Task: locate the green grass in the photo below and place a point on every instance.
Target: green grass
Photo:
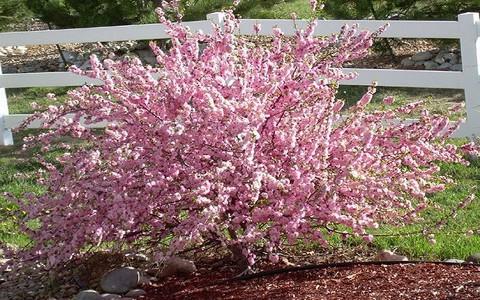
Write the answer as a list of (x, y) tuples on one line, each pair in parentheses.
[(272, 9), (450, 241), (17, 172), (436, 100), (19, 100)]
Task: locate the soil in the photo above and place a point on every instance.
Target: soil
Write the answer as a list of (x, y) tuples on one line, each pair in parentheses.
[(344, 281)]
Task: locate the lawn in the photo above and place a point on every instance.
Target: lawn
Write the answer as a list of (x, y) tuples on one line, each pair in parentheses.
[(437, 100), (17, 171)]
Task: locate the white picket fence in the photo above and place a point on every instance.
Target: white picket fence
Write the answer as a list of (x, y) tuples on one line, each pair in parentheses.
[(466, 29)]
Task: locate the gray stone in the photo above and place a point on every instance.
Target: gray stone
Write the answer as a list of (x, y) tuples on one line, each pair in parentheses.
[(430, 65), (111, 296), (451, 58), (474, 258), (86, 66), (445, 66), (407, 62), (177, 265), (135, 293), (27, 69), (70, 57), (145, 280), (386, 255), (457, 67), (8, 49), (20, 50), (147, 56), (6, 69), (454, 260), (121, 280), (439, 59), (88, 295), (426, 55)]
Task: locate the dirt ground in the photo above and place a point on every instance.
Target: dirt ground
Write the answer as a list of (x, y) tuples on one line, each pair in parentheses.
[(343, 281)]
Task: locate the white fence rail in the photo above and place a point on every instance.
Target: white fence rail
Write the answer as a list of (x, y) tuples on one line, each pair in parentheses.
[(466, 29)]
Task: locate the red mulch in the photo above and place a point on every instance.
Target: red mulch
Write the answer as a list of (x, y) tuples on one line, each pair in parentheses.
[(394, 281)]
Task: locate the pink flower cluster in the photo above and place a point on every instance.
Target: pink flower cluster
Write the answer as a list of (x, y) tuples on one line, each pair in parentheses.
[(246, 146)]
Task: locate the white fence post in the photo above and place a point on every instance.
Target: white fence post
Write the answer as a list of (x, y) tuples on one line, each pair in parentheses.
[(470, 48), (6, 137), (217, 18)]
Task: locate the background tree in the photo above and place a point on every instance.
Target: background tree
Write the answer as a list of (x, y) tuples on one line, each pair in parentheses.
[(400, 9), (12, 11), (72, 13)]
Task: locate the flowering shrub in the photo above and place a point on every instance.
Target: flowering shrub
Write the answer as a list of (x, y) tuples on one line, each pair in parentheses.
[(237, 144)]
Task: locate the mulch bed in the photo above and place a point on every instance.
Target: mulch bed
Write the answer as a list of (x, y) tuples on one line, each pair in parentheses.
[(344, 281)]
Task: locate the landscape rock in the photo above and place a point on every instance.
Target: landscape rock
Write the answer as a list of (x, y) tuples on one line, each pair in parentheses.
[(454, 260), (6, 69), (457, 67), (70, 57), (88, 295), (111, 296), (27, 69), (145, 280), (474, 258), (443, 59), (20, 50), (407, 62), (439, 59), (422, 56), (177, 265), (386, 255), (86, 66), (451, 58), (430, 65), (445, 66), (147, 56), (135, 293), (121, 280)]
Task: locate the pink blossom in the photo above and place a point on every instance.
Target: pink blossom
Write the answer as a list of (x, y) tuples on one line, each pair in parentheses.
[(366, 98), (388, 100)]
